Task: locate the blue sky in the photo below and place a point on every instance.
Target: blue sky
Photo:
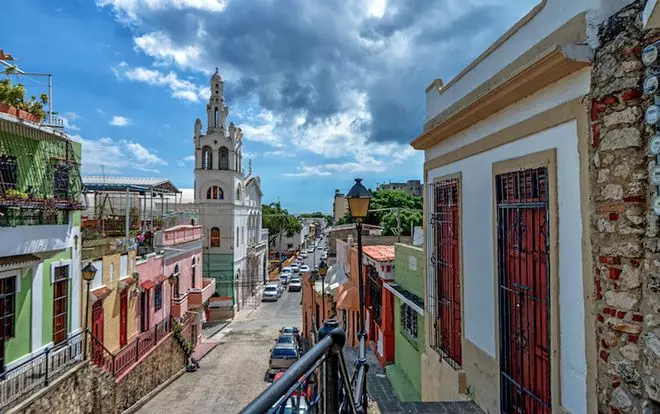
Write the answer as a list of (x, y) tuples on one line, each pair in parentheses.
[(324, 90)]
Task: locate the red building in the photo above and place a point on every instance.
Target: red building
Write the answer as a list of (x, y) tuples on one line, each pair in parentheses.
[(378, 262)]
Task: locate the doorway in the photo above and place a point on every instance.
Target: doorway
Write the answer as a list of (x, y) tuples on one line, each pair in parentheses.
[(97, 332), (524, 291), (144, 311), (123, 318)]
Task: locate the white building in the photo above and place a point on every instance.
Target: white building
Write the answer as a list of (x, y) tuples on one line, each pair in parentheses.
[(229, 206)]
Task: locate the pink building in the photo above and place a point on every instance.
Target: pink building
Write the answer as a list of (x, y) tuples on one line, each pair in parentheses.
[(177, 254)]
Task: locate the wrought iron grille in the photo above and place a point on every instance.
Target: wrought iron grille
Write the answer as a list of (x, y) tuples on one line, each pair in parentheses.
[(446, 256), (524, 301), (375, 293)]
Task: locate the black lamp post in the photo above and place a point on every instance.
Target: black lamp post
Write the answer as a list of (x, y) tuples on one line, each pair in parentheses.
[(323, 270), (358, 204), (88, 274)]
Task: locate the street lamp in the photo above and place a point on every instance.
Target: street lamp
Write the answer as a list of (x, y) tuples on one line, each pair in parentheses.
[(88, 274), (358, 204), (323, 270)]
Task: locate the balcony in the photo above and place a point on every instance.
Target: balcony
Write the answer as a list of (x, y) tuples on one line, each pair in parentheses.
[(197, 297), (31, 239), (180, 234), (180, 305)]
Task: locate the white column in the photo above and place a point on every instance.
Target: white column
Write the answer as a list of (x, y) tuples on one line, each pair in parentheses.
[(37, 306), (76, 283)]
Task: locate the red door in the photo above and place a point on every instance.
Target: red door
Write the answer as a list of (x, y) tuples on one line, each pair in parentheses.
[(97, 331), (524, 292), (123, 317)]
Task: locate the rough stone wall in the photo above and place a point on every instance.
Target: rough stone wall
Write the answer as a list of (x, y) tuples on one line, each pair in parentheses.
[(86, 390), (165, 361), (624, 229)]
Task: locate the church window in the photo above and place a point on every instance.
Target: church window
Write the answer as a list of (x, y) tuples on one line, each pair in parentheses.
[(215, 193), (216, 117), (224, 158), (215, 237), (238, 194), (207, 158), (237, 237)]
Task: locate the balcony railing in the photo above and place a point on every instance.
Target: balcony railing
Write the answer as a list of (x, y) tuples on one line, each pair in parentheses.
[(38, 371), (324, 367), (182, 234), (180, 305), (23, 216), (118, 363), (197, 297)]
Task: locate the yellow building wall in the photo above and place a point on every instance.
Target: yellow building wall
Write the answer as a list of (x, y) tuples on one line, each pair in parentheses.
[(111, 304)]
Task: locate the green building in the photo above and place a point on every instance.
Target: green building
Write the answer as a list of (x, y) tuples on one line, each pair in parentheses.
[(408, 290), (40, 279)]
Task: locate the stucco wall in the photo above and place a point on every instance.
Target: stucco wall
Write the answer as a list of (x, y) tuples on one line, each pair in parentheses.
[(407, 353), (409, 268)]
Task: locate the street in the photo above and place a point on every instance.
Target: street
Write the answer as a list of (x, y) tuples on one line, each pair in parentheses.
[(232, 374)]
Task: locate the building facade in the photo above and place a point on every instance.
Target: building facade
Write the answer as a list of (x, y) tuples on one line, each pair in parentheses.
[(229, 205), (540, 221), (339, 206), (408, 290), (40, 203), (411, 187)]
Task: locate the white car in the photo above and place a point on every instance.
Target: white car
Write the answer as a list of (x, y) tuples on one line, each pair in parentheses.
[(295, 268), (303, 255), (310, 250), (304, 269), (271, 293)]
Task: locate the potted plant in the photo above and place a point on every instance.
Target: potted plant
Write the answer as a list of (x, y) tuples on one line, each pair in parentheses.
[(12, 101)]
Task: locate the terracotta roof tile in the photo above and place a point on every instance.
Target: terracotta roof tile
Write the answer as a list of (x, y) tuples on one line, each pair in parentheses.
[(380, 253)]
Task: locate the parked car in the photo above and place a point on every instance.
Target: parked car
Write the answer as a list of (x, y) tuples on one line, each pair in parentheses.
[(271, 293), (295, 285), (310, 250), (304, 269), (295, 268), (284, 279), (290, 330), (286, 270), (282, 356), (306, 387), (287, 338)]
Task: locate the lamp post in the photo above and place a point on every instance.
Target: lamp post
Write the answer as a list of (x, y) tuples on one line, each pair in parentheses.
[(323, 270), (358, 204), (88, 274)]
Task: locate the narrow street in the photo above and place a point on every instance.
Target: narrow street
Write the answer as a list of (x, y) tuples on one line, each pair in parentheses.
[(232, 374)]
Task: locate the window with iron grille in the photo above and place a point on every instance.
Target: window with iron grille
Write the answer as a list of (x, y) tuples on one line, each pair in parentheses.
[(60, 303), (409, 322), (8, 173), (375, 293), (61, 180), (7, 306), (446, 256), (158, 296)]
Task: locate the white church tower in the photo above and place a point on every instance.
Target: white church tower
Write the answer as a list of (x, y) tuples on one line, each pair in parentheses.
[(227, 217)]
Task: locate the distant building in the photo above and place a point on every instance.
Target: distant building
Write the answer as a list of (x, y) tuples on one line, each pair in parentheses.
[(412, 187), (339, 206)]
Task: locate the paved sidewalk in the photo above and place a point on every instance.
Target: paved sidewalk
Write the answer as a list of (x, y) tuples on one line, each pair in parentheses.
[(380, 389)]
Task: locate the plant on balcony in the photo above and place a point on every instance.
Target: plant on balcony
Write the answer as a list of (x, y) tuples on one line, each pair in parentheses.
[(13, 102), (13, 194), (187, 345)]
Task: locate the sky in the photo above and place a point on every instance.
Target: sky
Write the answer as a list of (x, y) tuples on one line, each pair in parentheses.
[(324, 90)]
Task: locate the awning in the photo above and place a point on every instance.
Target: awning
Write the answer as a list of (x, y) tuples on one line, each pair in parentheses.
[(349, 299), (148, 284), (21, 260), (161, 278), (409, 298), (126, 282), (100, 293)]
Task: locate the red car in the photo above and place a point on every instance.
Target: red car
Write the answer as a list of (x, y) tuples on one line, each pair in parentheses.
[(308, 388)]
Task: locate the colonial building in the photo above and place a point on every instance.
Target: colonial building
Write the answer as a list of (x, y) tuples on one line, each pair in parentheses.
[(412, 187), (229, 205), (542, 287), (339, 206)]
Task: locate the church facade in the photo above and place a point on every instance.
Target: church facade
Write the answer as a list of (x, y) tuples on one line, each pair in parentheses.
[(229, 206)]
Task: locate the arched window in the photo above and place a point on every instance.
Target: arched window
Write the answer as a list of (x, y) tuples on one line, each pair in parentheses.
[(194, 273), (215, 193), (224, 158), (207, 158), (238, 194), (176, 269), (238, 240), (216, 117), (215, 237)]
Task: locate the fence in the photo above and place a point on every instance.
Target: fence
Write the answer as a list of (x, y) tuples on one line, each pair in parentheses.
[(38, 371)]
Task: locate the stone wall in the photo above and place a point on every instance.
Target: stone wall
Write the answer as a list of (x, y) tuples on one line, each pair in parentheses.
[(88, 389), (624, 230), (162, 363)]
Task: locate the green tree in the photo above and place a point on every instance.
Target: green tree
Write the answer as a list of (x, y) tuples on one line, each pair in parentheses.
[(384, 208), (279, 222)]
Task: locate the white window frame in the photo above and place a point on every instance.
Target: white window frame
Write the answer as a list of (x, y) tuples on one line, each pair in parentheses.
[(14, 272), (60, 263)]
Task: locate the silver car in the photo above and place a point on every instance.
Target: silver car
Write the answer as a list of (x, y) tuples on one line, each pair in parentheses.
[(271, 294)]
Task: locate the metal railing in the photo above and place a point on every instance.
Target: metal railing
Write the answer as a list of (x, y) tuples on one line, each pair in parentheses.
[(39, 370), (319, 381)]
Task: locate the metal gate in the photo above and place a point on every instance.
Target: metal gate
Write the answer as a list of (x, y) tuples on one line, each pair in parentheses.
[(524, 291), (447, 324)]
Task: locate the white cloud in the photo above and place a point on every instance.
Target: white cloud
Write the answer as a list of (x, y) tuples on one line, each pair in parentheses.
[(308, 171), (118, 157), (289, 153), (100, 111), (183, 161), (120, 121), (67, 119), (128, 11), (72, 115), (265, 129), (179, 88), (159, 46)]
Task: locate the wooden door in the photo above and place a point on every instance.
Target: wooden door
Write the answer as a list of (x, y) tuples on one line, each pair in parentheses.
[(524, 291), (97, 332), (123, 317)]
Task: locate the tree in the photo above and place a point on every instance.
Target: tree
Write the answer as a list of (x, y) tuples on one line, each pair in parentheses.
[(279, 222), (317, 214), (384, 208)]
